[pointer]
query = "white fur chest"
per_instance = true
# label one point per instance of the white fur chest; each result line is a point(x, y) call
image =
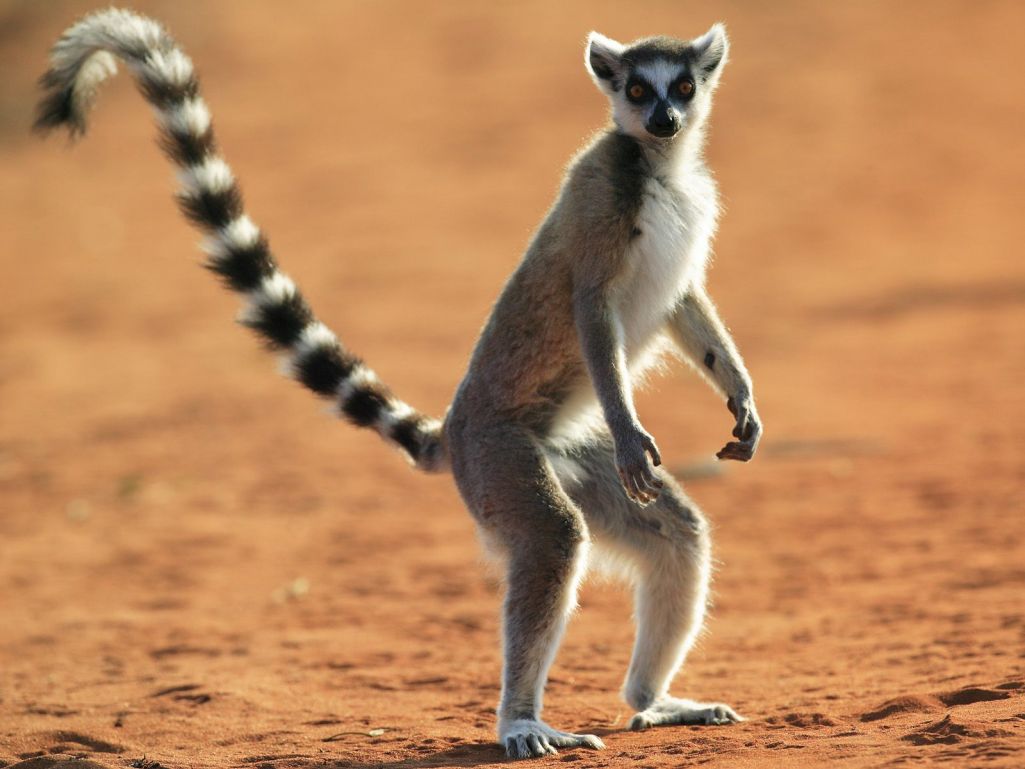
point(667, 254)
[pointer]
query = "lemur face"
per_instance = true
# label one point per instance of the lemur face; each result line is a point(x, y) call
point(659, 87)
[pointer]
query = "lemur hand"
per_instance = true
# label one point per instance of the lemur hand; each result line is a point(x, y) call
point(748, 429)
point(633, 447)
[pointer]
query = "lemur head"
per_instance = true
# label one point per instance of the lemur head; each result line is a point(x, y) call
point(660, 88)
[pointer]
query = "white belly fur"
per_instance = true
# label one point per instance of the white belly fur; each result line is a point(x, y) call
point(669, 254)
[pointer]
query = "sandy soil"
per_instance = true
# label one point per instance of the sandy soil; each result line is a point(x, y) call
point(198, 568)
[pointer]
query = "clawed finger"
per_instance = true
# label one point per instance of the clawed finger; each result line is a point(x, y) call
point(730, 451)
point(629, 484)
point(652, 449)
point(742, 452)
point(639, 488)
point(642, 496)
point(651, 492)
point(652, 482)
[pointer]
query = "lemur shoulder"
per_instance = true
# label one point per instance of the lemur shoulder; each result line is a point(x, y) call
point(542, 437)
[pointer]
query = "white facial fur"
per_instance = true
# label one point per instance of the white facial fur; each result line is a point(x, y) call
point(632, 118)
point(610, 69)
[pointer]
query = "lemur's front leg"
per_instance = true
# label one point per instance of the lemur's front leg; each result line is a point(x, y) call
point(602, 348)
point(703, 338)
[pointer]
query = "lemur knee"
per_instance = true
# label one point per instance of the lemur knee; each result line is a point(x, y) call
point(685, 523)
point(556, 538)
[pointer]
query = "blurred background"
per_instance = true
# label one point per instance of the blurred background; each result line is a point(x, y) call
point(199, 566)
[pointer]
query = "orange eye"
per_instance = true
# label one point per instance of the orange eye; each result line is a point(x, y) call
point(686, 88)
point(636, 91)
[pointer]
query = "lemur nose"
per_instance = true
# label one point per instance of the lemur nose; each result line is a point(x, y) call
point(663, 116)
point(664, 120)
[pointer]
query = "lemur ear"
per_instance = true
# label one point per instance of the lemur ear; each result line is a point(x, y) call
point(603, 59)
point(711, 51)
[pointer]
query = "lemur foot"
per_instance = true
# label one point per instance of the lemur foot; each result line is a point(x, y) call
point(526, 738)
point(670, 710)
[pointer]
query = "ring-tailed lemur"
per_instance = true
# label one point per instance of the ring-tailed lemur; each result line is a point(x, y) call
point(615, 270)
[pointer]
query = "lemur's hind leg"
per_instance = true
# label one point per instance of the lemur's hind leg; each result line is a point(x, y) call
point(665, 548)
point(508, 484)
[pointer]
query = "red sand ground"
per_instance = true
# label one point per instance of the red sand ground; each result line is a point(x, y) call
point(197, 566)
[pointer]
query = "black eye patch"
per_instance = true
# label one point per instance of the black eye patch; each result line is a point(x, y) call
point(639, 90)
point(682, 89)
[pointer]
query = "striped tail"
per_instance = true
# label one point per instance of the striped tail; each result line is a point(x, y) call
point(210, 197)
